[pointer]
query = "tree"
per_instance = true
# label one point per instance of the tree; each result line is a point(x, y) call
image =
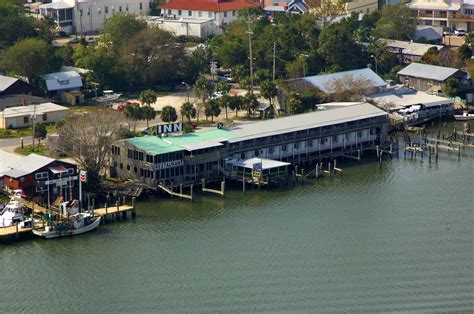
point(40, 132)
point(148, 113)
point(465, 51)
point(202, 89)
point(295, 106)
point(430, 56)
point(30, 58)
point(396, 22)
point(224, 88)
point(212, 109)
point(250, 103)
point(168, 114)
point(188, 111)
point(239, 72)
point(231, 53)
point(452, 87)
point(88, 139)
point(350, 88)
point(236, 103)
point(224, 102)
point(338, 48)
point(120, 28)
point(269, 90)
point(147, 97)
point(326, 11)
point(133, 114)
point(261, 75)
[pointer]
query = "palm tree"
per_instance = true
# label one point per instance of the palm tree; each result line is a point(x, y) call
point(224, 88)
point(212, 109)
point(147, 97)
point(268, 90)
point(187, 110)
point(250, 103)
point(203, 90)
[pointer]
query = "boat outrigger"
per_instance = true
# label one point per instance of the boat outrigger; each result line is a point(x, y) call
point(14, 211)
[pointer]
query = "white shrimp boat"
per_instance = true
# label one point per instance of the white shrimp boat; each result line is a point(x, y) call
point(13, 212)
point(464, 117)
point(74, 225)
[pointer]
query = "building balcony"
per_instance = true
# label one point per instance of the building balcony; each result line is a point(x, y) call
point(462, 18)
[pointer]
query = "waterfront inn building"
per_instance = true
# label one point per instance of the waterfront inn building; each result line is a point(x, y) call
point(270, 145)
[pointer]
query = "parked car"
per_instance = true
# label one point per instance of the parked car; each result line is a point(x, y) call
point(121, 107)
point(216, 95)
point(225, 77)
point(459, 32)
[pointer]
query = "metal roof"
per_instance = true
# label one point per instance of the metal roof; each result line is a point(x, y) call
point(305, 121)
point(62, 80)
point(428, 71)
point(7, 161)
point(56, 6)
point(324, 82)
point(30, 110)
point(28, 164)
point(6, 82)
point(404, 97)
point(429, 33)
point(155, 145)
point(411, 48)
point(266, 163)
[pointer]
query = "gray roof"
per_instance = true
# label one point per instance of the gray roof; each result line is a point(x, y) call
point(56, 6)
point(62, 80)
point(266, 163)
point(428, 71)
point(27, 165)
point(411, 48)
point(429, 33)
point(30, 110)
point(7, 161)
point(324, 82)
point(402, 96)
point(6, 82)
point(305, 121)
point(7, 101)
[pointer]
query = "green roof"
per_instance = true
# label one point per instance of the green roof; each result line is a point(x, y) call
point(155, 145)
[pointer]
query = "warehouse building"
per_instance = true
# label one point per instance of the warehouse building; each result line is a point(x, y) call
point(22, 116)
point(272, 144)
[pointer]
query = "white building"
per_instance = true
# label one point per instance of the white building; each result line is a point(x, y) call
point(22, 116)
point(199, 17)
point(87, 16)
point(452, 14)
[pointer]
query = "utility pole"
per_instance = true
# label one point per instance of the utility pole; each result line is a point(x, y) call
point(274, 59)
point(303, 56)
point(34, 128)
point(251, 59)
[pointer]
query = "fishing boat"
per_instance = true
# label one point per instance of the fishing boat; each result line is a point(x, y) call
point(410, 128)
point(465, 116)
point(74, 225)
point(109, 96)
point(14, 211)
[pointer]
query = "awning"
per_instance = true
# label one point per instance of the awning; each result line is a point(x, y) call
point(58, 169)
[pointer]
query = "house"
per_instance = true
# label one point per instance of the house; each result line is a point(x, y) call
point(8, 101)
point(38, 176)
point(326, 83)
point(199, 17)
point(288, 6)
point(427, 77)
point(14, 86)
point(408, 51)
point(451, 14)
point(86, 16)
point(64, 87)
point(351, 6)
point(18, 117)
point(411, 105)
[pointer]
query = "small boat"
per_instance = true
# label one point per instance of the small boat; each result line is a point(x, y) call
point(14, 211)
point(109, 96)
point(73, 225)
point(410, 128)
point(466, 116)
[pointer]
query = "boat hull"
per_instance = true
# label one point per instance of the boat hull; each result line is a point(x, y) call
point(463, 118)
point(56, 234)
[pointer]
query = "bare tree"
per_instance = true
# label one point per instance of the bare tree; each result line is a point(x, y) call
point(349, 88)
point(326, 11)
point(88, 139)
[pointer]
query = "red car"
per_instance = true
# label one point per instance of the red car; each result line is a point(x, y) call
point(121, 107)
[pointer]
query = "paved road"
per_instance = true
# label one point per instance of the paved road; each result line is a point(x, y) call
point(14, 142)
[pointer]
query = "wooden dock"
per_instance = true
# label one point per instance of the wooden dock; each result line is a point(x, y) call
point(15, 232)
point(114, 212)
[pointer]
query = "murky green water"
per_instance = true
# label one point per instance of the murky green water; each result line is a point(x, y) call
point(397, 237)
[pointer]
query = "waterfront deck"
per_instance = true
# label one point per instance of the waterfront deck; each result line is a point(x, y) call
point(114, 212)
point(15, 231)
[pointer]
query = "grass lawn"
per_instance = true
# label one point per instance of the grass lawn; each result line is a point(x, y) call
point(27, 149)
point(23, 132)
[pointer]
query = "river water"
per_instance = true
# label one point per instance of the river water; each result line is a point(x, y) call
point(396, 237)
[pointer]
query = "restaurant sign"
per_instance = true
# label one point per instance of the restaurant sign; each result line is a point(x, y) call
point(169, 164)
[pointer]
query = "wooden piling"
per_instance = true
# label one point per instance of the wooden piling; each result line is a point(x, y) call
point(134, 210)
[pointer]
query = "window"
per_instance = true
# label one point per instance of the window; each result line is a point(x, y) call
point(209, 14)
point(149, 159)
point(113, 9)
point(169, 12)
point(41, 175)
point(179, 12)
point(359, 134)
point(200, 13)
point(98, 10)
point(283, 147)
point(225, 13)
point(334, 139)
point(45, 117)
point(106, 9)
point(128, 167)
point(372, 131)
point(190, 13)
point(121, 166)
point(70, 170)
point(233, 13)
point(141, 6)
point(26, 120)
point(150, 4)
point(120, 8)
point(296, 146)
point(81, 13)
point(271, 150)
point(309, 143)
